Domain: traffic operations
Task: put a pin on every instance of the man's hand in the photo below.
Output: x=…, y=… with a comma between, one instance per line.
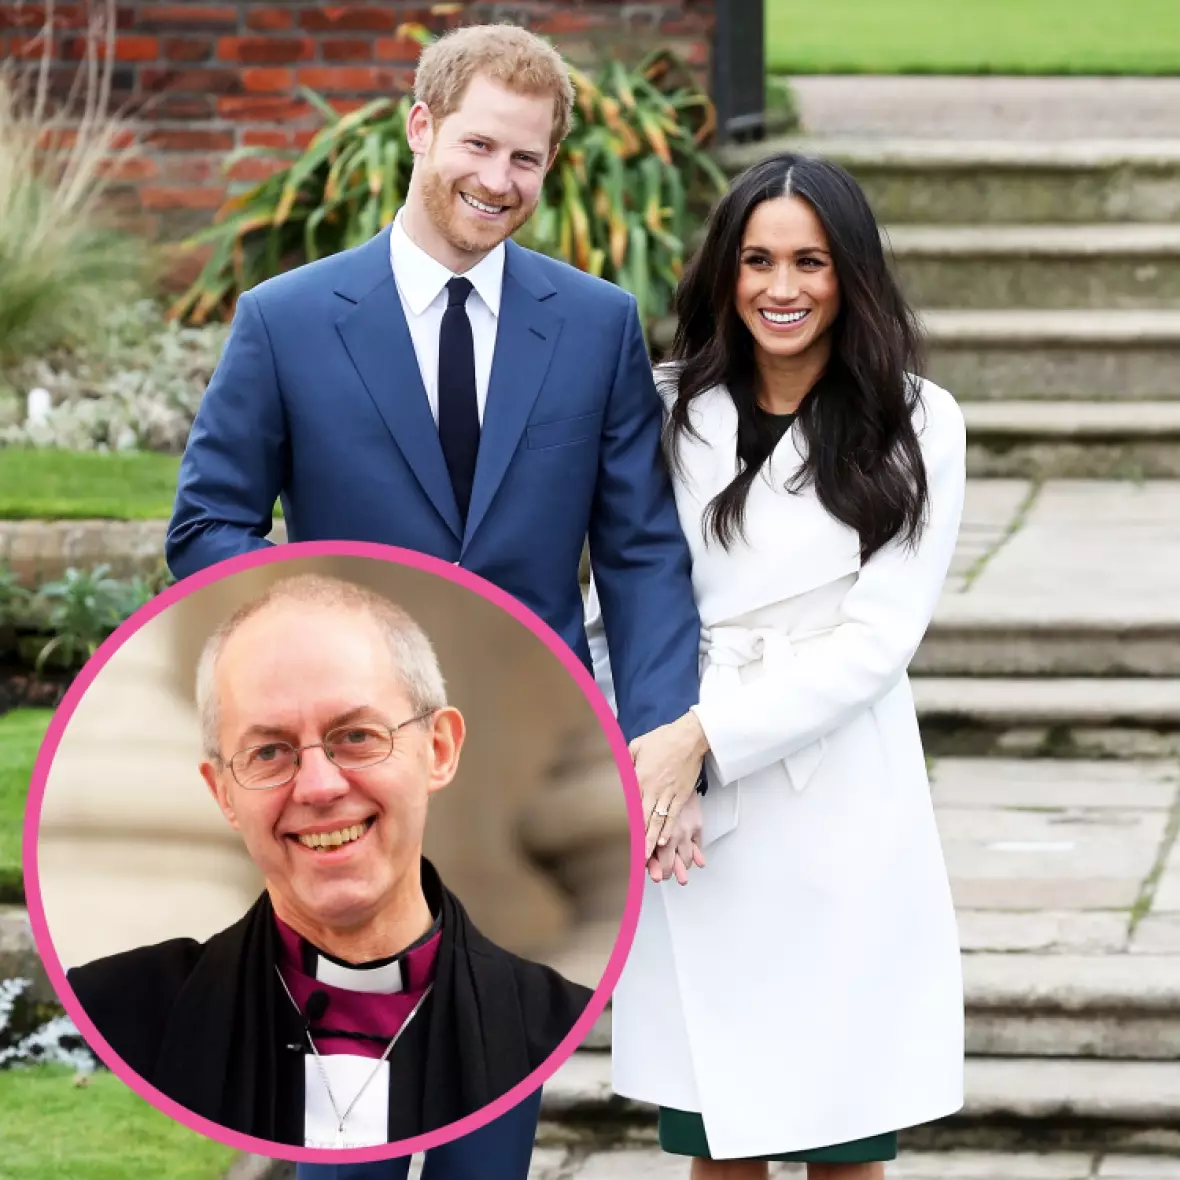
x=682, y=851
x=667, y=764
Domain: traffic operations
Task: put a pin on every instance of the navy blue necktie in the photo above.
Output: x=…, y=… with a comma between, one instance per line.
x=458, y=413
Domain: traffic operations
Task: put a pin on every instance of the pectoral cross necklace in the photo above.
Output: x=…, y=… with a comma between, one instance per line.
x=342, y=1119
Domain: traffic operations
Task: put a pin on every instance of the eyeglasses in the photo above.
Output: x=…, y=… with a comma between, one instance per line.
x=350, y=747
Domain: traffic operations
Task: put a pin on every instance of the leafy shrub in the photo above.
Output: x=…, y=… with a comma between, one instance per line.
x=628, y=188
x=62, y=259
x=14, y=598
x=135, y=386
x=62, y=622
x=81, y=609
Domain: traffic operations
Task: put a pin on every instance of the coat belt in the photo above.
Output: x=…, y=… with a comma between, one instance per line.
x=727, y=650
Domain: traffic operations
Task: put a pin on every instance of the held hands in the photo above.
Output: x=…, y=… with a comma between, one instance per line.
x=681, y=852
x=667, y=764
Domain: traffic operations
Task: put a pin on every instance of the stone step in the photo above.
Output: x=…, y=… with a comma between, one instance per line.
x=1081, y=355
x=1010, y=1103
x=1092, y=718
x=18, y=954
x=955, y=181
x=1039, y=266
x=1112, y=1007
x=1102, y=1006
x=1081, y=581
x=639, y=1158
x=1016, y=642
x=989, y=107
x=1073, y=440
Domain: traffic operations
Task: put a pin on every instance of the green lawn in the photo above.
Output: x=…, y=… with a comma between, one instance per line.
x=102, y=1131
x=69, y=485
x=81, y=485
x=21, y=733
x=974, y=37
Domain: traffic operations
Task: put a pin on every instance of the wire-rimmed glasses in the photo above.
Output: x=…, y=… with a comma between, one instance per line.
x=350, y=747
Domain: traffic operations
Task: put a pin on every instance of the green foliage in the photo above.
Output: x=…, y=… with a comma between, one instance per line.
x=14, y=601
x=628, y=187
x=81, y=609
x=62, y=260
x=135, y=384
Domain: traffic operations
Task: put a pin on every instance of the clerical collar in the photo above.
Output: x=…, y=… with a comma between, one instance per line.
x=409, y=970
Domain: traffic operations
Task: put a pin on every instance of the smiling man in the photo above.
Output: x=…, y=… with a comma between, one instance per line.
x=444, y=389
x=355, y=1003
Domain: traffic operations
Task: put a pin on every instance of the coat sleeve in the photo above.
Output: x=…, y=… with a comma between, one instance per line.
x=639, y=555
x=234, y=464
x=882, y=620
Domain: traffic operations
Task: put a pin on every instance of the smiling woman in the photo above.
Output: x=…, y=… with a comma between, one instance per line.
x=323, y=746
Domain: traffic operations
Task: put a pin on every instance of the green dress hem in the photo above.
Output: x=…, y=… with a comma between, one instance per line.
x=682, y=1132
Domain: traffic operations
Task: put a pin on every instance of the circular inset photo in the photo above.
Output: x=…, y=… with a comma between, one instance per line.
x=331, y=848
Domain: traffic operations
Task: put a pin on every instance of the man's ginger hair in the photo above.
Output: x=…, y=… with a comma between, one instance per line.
x=512, y=56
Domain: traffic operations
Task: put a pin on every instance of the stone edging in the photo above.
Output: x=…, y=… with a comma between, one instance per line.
x=41, y=550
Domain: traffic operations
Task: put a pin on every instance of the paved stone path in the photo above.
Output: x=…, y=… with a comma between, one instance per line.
x=647, y=1163
x=1093, y=549
x=990, y=108
x=1062, y=856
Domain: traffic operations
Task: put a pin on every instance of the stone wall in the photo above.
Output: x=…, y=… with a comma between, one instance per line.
x=205, y=79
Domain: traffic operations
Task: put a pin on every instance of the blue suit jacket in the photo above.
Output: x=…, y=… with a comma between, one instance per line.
x=318, y=400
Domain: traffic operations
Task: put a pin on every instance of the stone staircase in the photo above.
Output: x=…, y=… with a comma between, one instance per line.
x=1047, y=272
x=1048, y=275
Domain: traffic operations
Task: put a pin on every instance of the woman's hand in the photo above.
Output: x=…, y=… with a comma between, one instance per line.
x=668, y=764
x=682, y=852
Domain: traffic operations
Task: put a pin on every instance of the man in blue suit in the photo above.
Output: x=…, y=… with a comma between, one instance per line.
x=443, y=389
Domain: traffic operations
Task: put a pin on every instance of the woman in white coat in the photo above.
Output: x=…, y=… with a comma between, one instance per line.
x=801, y=997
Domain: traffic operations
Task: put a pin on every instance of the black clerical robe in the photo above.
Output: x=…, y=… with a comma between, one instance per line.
x=208, y=1024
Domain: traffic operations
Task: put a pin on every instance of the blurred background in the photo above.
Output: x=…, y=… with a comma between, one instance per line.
x=1023, y=157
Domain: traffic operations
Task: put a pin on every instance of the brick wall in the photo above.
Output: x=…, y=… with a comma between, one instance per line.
x=205, y=78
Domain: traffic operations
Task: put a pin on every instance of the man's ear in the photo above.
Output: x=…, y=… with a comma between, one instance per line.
x=212, y=777
x=420, y=129
x=448, y=730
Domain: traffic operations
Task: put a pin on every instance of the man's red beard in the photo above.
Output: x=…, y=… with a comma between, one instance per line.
x=439, y=199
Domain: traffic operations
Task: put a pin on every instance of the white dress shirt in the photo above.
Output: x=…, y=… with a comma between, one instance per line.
x=422, y=284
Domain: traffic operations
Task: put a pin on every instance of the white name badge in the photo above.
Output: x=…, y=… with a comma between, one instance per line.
x=367, y=1124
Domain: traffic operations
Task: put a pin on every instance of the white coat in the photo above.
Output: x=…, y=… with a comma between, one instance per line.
x=804, y=989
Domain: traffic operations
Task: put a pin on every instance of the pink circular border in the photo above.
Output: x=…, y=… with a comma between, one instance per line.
x=162, y=602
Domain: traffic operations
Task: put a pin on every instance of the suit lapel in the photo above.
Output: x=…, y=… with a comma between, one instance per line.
x=377, y=338
x=525, y=339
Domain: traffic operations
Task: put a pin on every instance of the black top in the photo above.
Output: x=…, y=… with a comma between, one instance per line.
x=207, y=1025
x=779, y=423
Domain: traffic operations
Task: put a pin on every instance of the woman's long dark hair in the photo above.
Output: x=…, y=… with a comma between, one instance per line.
x=861, y=445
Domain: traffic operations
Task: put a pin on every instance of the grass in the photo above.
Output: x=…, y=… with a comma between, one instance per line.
x=21, y=733
x=973, y=37
x=47, y=484
x=102, y=1131
x=74, y=485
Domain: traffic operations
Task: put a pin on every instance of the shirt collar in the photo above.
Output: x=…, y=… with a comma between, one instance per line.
x=410, y=969
x=421, y=278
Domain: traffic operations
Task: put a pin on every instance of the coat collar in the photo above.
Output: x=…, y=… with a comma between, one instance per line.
x=792, y=545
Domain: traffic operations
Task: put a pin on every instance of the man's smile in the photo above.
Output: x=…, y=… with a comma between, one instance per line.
x=483, y=206
x=329, y=840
